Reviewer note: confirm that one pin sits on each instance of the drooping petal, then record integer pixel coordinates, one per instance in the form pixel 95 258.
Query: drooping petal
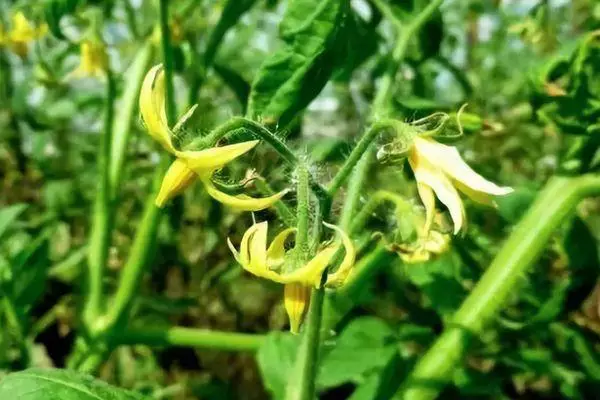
pixel 296 300
pixel 176 180
pixel 153 107
pixel 426 173
pixel 258 247
pixel 208 160
pixel 428 199
pixel 241 202
pixel 448 159
pixel 338 277
pixel 276 250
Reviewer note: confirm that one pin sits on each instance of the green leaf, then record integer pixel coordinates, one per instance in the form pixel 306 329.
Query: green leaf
pixel 364 346
pixel 294 75
pixel 275 360
pixel 57 384
pixel 382 384
pixel 8 215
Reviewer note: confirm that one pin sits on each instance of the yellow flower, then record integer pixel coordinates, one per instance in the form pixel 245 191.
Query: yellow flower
pixel 440 170
pixel 93 61
pixel 191 164
pixel 21 34
pixel 268 263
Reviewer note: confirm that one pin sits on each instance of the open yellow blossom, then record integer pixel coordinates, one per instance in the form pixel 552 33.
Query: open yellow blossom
pixel 440 171
pixel 191 164
pixel 22 33
pixel 269 263
pixel 93 61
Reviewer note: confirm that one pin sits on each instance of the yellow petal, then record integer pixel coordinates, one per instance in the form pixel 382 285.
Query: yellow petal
pixel 204 161
pixel 153 107
pixel 426 173
pixel 22 30
pixel 448 159
pixel 258 247
pixel 296 300
pixel 241 202
pixel 428 199
pixel 276 250
pixel 339 277
pixel 243 256
pixel 176 180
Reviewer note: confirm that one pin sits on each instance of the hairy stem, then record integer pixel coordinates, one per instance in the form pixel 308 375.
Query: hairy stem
pixel 302 383
pixel 520 251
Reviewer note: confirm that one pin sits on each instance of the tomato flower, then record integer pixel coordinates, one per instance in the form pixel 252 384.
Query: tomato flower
pixel 440 171
pixel 93 61
pixel 270 263
pixel 21 34
pixel 189 164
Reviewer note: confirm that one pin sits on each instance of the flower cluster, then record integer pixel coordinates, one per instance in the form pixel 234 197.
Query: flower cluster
pixel 273 262
pixel 190 165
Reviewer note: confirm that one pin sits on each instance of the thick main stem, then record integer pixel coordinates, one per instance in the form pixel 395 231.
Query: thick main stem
pixel 523 247
pixel 141 250
pixel 103 216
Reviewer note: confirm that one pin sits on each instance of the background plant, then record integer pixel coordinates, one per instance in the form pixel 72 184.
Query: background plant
pixel 94 278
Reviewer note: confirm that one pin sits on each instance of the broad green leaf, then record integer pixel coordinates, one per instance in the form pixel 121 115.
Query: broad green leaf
pixel 275 360
pixel 365 345
pixel 294 74
pixel 8 215
pixel 57 384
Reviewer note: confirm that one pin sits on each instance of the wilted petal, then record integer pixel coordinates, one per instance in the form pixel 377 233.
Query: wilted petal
pixel 338 277
pixel 153 107
pixel 241 202
pixel 176 180
pixel 426 173
pixel 208 160
pixel 448 159
pixel 296 300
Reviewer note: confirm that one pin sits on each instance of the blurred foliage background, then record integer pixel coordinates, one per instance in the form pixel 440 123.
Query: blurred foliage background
pixel 530 72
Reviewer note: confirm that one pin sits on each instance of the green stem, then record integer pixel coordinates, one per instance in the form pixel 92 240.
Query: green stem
pixel 103 216
pixel 165 38
pixel 192 337
pixel 302 382
pixel 139 256
pixel 126 113
pixel 520 251
pixel 141 250
pixel 361 148
pixel 301 248
pixel 355 190
pixel 382 102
